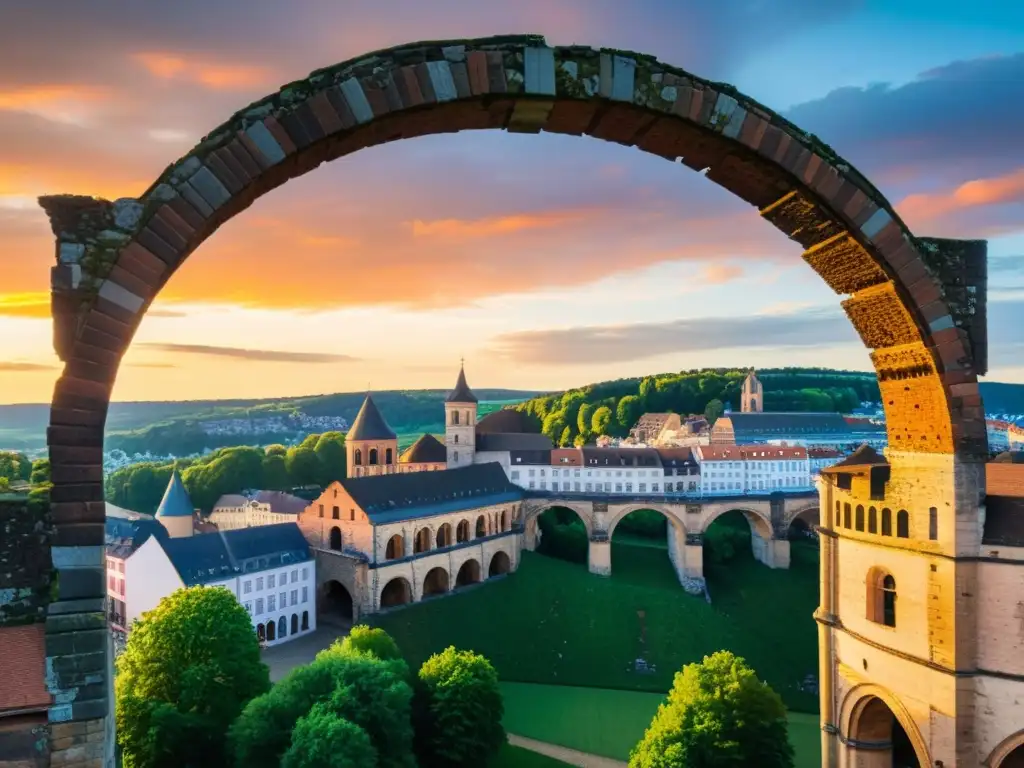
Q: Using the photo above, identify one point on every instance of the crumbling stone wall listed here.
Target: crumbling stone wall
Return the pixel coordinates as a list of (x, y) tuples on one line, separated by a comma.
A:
[(919, 308), (25, 568)]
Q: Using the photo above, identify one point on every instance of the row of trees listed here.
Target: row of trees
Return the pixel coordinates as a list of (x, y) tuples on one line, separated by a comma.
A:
[(317, 461), (613, 407), (17, 469), (191, 691)]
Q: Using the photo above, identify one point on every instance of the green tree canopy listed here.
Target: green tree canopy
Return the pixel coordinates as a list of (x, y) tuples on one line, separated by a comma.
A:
[(584, 418), (40, 472), (321, 739), (330, 452), (629, 410), (303, 464), (188, 669), (275, 473), (372, 640), (15, 466), (600, 421), (713, 410), (458, 711), (718, 715)]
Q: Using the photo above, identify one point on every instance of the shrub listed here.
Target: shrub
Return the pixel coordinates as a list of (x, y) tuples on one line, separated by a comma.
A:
[(371, 640), (718, 714), (321, 739), (188, 669), (458, 711)]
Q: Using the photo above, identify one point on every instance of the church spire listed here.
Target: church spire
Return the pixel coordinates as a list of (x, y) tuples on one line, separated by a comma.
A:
[(462, 393)]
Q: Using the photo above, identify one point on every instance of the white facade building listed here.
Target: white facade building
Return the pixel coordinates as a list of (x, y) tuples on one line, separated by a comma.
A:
[(268, 569), (233, 510)]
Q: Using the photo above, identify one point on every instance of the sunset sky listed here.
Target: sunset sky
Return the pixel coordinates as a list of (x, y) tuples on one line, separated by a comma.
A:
[(546, 261)]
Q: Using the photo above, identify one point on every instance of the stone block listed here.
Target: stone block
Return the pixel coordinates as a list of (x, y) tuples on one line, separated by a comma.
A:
[(153, 242), (879, 317), (844, 264), (76, 473), (210, 188), (440, 75), (76, 622), (140, 287), (121, 297), (142, 263), (81, 583), (78, 511), (293, 125), (259, 138), (173, 229), (329, 120), (352, 90)]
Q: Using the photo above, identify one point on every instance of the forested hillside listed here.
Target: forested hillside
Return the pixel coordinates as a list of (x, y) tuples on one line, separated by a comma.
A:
[(612, 407)]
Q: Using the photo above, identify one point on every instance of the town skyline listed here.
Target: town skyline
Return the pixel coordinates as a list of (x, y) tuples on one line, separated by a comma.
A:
[(385, 267)]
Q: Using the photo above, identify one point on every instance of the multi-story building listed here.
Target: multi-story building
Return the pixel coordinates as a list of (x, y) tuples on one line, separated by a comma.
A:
[(395, 539), (654, 428), (125, 532), (820, 458), (233, 510), (740, 469), (267, 568), (998, 435)]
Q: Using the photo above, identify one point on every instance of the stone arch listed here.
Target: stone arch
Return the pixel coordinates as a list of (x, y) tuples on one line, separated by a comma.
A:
[(902, 301), (673, 518), (760, 522), (398, 591), (803, 520), (423, 540), (444, 535), (395, 548), (335, 539), (469, 573), (856, 718), (1009, 753), (533, 512), (480, 530), (462, 531), (336, 604), (436, 582), (500, 564)]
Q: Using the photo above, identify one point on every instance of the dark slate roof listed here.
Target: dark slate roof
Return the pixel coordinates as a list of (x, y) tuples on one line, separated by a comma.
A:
[(620, 457), (200, 558), (512, 441), (281, 503), (427, 450), (863, 457), (539, 457), (1009, 457), (208, 557), (390, 498), (462, 393), (792, 424), (370, 424), (123, 534), (677, 457), (507, 420), (176, 502)]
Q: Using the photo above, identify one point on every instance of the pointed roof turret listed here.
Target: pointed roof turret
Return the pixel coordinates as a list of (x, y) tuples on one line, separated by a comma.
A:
[(176, 501), (370, 424), (462, 393)]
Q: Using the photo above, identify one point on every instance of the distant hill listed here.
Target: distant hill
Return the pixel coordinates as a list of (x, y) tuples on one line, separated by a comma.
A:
[(159, 426)]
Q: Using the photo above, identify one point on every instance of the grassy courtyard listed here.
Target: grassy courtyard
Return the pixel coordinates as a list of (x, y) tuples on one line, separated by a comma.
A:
[(609, 723), (517, 757), (554, 622)]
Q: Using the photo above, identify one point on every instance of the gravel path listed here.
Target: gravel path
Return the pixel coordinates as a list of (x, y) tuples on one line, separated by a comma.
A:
[(566, 755)]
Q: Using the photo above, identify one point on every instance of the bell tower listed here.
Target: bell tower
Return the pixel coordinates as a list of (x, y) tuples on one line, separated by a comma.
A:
[(751, 395), (460, 409), (371, 446)]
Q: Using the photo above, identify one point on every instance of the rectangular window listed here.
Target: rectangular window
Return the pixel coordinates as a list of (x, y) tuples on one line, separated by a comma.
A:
[(295, 575), (321, 510), (120, 566), (284, 599), (933, 524), (576, 487), (270, 581), (589, 486), (305, 574), (335, 513), (305, 594), (259, 606), (112, 583), (259, 583), (532, 484), (271, 604), (515, 474), (642, 488), (618, 487), (629, 487), (295, 596), (351, 514), (247, 586), (248, 608), (531, 472)]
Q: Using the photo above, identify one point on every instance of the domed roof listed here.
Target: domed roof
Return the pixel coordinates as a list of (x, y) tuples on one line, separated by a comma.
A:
[(369, 424), (176, 502), (427, 450), (507, 421), (462, 393)]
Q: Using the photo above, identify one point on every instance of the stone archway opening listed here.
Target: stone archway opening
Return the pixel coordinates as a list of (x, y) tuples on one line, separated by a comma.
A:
[(500, 565), (435, 582), (1014, 759), (648, 547), (336, 604), (877, 738), (801, 527), (396, 592), (904, 292), (468, 574), (562, 533)]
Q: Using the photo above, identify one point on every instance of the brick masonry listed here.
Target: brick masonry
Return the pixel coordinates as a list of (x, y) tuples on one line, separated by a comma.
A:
[(919, 304)]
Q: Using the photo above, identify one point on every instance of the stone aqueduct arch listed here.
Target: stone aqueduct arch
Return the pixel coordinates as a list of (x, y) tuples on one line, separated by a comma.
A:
[(909, 298)]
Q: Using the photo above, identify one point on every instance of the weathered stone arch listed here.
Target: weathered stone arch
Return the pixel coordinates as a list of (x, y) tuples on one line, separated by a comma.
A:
[(860, 696), (1004, 749), (673, 518), (501, 563), (536, 510), (811, 515), (760, 522), (910, 298)]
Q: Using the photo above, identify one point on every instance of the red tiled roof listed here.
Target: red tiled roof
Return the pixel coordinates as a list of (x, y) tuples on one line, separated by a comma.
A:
[(572, 457), (1004, 479), (24, 653), (720, 452)]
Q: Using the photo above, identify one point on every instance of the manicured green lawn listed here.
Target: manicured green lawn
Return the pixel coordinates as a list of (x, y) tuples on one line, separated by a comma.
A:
[(517, 757), (554, 622), (610, 723)]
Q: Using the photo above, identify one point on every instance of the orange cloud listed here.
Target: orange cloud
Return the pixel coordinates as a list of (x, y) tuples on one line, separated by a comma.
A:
[(497, 225), (214, 75), (34, 305), (716, 274), (972, 194), (58, 103)]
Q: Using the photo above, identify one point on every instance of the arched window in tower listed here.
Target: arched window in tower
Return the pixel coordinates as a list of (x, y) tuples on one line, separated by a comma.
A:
[(467, 418), (846, 516), (455, 417), (359, 458), (886, 522), (456, 456), (373, 457), (881, 597), (933, 523), (456, 438), (859, 518), (388, 456), (753, 404), (872, 520), (903, 524), (837, 514)]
